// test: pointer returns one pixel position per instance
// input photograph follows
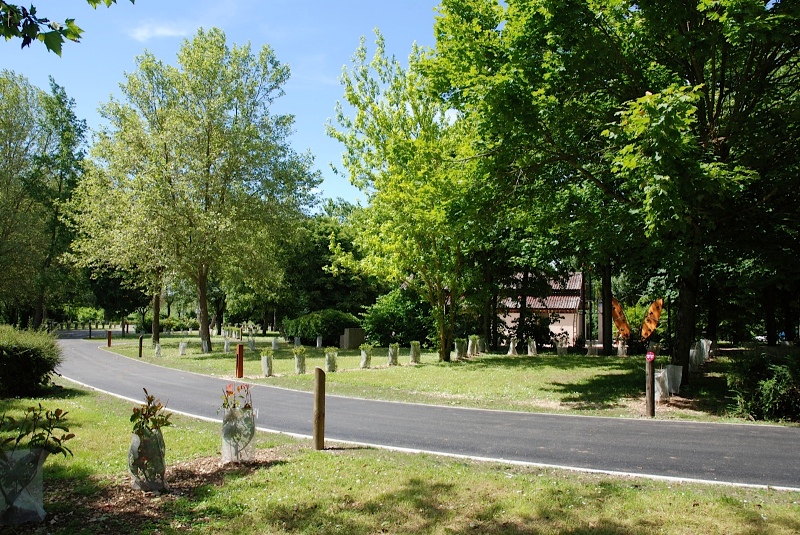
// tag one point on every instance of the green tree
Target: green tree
(200, 171)
(55, 174)
(408, 154)
(24, 23)
(647, 104)
(22, 238)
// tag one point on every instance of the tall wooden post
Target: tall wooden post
(239, 361)
(141, 337)
(108, 338)
(650, 391)
(319, 409)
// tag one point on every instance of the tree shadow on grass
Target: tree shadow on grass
(79, 502)
(601, 392)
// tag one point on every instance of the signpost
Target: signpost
(650, 391)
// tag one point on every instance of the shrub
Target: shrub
(27, 361)
(766, 387)
(329, 324)
(399, 317)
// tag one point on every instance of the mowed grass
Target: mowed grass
(573, 383)
(351, 490)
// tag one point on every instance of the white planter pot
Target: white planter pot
(393, 351)
(674, 375)
(366, 359)
(22, 499)
(330, 361)
(238, 430)
(146, 461)
(414, 353)
(266, 365)
(299, 364)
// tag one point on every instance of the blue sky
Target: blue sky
(315, 38)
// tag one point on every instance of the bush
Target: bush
(399, 317)
(329, 324)
(766, 387)
(27, 360)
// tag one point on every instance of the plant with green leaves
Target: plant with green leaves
(146, 461)
(19, 22)
(25, 443)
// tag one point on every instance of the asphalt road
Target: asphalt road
(761, 455)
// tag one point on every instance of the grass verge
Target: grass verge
(353, 490)
(573, 383)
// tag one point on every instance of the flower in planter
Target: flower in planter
(146, 455)
(24, 446)
(238, 424)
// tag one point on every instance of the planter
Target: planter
(299, 364)
(366, 359)
(158, 350)
(266, 365)
(414, 353)
(275, 344)
(319, 342)
(238, 430)
(561, 350)
(146, 460)
(330, 361)
(461, 348)
(674, 375)
(512, 347)
(182, 348)
(662, 389)
(22, 497)
(394, 351)
(252, 343)
(531, 348)
(227, 346)
(622, 349)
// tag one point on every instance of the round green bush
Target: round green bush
(329, 324)
(27, 360)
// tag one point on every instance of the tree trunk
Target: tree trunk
(686, 316)
(523, 307)
(202, 297)
(156, 325)
(607, 320)
(493, 339)
(713, 314)
(769, 315)
(39, 312)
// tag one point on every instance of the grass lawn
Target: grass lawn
(293, 489)
(573, 383)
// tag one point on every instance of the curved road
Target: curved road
(759, 455)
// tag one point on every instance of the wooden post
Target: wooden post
(319, 409)
(141, 337)
(239, 361)
(90, 330)
(650, 392)
(108, 337)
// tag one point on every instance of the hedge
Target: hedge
(329, 324)
(27, 360)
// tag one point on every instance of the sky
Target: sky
(316, 38)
